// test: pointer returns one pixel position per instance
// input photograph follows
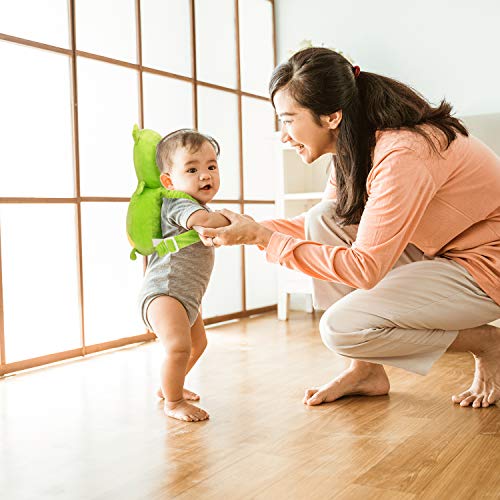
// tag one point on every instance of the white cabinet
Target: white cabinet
(299, 187)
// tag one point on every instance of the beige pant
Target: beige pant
(409, 318)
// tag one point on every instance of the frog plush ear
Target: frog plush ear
(144, 210)
(145, 142)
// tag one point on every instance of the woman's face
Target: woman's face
(300, 129)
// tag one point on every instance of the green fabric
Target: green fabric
(144, 210)
(183, 240)
(172, 193)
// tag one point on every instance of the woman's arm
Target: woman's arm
(400, 189)
(293, 227)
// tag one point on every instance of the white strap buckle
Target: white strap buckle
(172, 239)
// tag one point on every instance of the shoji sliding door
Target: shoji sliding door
(76, 76)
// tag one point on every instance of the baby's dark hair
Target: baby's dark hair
(182, 138)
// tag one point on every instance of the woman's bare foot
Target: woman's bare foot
(485, 388)
(186, 394)
(182, 410)
(361, 378)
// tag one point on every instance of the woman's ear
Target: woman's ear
(166, 180)
(332, 121)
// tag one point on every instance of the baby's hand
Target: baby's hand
(206, 240)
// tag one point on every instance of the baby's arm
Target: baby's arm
(206, 219)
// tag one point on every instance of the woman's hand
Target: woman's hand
(242, 230)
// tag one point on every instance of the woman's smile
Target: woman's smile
(300, 123)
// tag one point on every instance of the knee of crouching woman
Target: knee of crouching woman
(335, 331)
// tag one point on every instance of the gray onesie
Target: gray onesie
(183, 275)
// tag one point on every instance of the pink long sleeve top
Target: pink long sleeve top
(447, 205)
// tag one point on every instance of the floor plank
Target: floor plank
(484, 453)
(93, 428)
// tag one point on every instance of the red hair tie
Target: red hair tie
(356, 71)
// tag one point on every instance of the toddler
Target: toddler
(174, 284)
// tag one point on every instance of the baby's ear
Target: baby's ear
(166, 180)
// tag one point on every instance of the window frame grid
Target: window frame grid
(73, 53)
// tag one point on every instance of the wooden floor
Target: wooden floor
(93, 429)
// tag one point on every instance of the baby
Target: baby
(174, 284)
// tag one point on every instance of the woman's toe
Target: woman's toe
(308, 394)
(477, 402)
(458, 398)
(316, 399)
(467, 401)
(492, 398)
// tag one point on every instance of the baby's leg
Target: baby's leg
(198, 342)
(198, 345)
(169, 320)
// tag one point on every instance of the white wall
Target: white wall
(442, 48)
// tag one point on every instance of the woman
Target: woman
(405, 248)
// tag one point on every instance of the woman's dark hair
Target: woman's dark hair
(324, 82)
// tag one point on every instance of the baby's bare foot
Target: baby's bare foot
(361, 379)
(182, 410)
(485, 388)
(186, 394)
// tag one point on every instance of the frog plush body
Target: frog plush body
(144, 210)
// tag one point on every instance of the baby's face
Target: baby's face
(196, 174)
